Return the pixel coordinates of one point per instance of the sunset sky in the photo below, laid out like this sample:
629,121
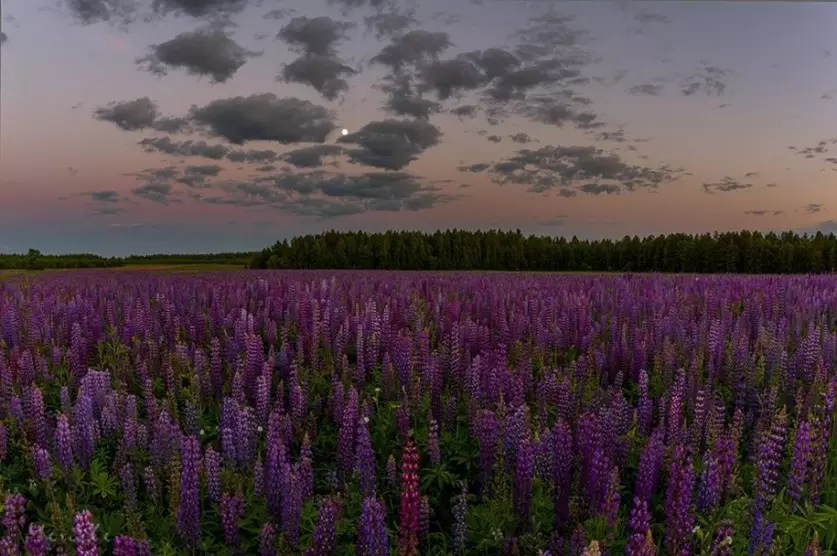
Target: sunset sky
142,126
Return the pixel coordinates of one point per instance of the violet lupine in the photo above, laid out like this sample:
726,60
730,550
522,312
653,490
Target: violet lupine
769,459
433,450
231,511
258,478
679,516
291,505
14,514
722,541
323,540
42,463
799,462
371,529
84,534
524,474
36,541
267,540
365,459
488,433
188,507
639,523
408,519
63,443
460,514
709,488
129,546
346,436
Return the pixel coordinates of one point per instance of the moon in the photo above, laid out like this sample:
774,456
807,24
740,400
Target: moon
345,131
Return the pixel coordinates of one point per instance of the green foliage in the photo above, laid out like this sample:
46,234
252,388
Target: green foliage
729,252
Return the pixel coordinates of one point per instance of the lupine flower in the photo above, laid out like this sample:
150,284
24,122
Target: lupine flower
36,541
679,516
42,462
433,442
84,534
408,520
129,546
231,510
365,459
722,541
323,540
371,529
267,540
799,461
14,518
460,513
523,481
188,518
640,524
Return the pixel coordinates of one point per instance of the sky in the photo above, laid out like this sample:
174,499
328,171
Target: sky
154,126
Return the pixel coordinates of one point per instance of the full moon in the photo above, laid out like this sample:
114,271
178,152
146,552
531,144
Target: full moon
345,131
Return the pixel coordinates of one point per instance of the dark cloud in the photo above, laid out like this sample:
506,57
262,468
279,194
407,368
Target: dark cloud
404,101
88,12
196,176
170,124
617,136
3,37
709,80
465,111
265,117
107,196
413,48
751,175
324,73
820,148
479,167
199,8
252,156
156,174
495,138
448,77
565,192
155,192
184,148
599,188
266,168
325,195
205,52
770,185
391,144
279,13
828,95
650,89
813,208
315,36
550,167
521,138
389,24
130,115
757,212
312,157
725,185
556,111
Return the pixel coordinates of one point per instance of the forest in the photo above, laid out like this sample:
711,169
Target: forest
746,252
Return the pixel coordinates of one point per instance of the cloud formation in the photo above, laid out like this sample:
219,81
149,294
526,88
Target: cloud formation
391,144
205,52
131,115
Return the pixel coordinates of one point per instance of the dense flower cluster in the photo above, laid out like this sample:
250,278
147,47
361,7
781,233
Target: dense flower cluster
292,413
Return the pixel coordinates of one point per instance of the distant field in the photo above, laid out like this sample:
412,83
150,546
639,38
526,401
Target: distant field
197,267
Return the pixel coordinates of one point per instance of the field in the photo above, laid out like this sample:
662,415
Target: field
374,413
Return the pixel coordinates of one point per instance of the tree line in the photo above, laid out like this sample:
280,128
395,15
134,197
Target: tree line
35,260
745,252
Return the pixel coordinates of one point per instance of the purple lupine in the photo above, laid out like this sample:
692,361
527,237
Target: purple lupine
14,514
433,442
84,431
258,478
488,433
42,463
36,541
639,523
63,443
292,500
231,511
323,540
84,534
365,459
709,487
799,462
212,468
424,521
650,461
129,489
679,516
371,529
267,540
769,459
129,546
3,442
346,436
460,514
524,474
722,541
188,507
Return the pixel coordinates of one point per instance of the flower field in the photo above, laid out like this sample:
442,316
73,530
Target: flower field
320,413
